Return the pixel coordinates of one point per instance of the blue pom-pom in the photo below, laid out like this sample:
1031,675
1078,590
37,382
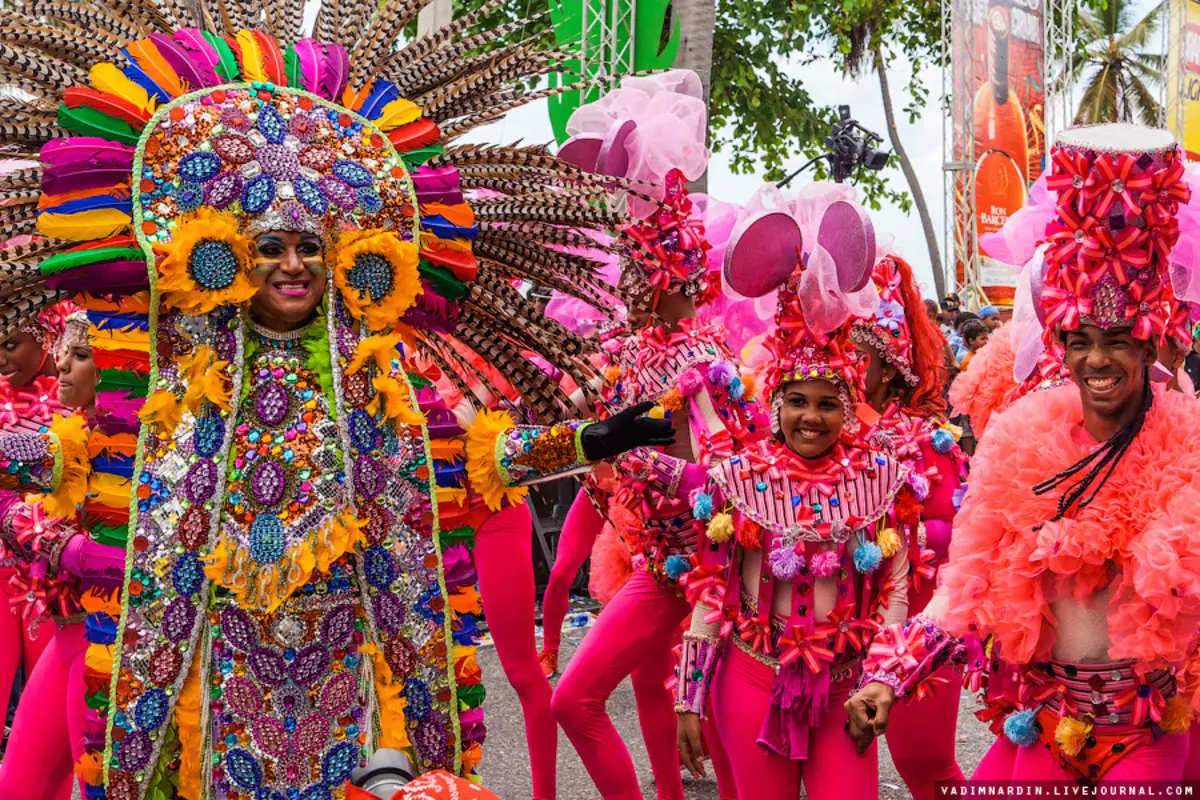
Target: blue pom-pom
1019,728
867,557
942,440
702,506
676,566
737,389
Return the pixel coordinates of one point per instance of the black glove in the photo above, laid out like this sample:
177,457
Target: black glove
624,431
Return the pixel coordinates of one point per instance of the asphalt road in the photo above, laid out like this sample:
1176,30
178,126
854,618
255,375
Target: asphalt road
505,764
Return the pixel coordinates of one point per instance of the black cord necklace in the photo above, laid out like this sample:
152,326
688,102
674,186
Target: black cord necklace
1103,460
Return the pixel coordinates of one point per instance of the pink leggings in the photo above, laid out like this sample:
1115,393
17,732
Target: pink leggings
833,769
504,560
1160,761
920,737
580,529
1191,768
632,638
47,735
17,646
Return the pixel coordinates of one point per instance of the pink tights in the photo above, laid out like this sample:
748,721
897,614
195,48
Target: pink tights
504,560
17,646
632,638
47,735
833,769
1161,761
920,737
580,529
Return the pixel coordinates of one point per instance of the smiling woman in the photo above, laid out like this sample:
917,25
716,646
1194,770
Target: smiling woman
811,417
289,276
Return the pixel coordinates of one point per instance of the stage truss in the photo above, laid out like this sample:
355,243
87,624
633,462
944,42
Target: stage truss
606,46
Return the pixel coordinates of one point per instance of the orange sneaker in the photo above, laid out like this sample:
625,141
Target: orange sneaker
549,659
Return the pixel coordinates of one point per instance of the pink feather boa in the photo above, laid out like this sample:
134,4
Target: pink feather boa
1002,575
982,389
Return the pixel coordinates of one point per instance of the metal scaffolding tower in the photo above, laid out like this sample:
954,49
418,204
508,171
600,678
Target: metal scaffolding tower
606,45
1060,62
958,146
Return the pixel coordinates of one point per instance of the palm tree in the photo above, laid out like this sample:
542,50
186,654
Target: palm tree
865,49
1120,77
696,20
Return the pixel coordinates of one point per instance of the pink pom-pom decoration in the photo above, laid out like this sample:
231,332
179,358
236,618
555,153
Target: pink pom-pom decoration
825,563
690,383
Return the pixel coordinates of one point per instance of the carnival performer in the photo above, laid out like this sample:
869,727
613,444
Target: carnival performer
801,558
52,721
296,515
1071,556
905,375
683,366
28,401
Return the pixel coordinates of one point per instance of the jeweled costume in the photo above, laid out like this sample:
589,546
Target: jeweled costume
800,560
297,590
1082,597
687,371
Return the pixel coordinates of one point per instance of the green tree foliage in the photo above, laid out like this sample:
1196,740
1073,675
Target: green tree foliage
761,113
1119,78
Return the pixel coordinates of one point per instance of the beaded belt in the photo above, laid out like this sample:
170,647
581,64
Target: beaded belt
841,669
1108,694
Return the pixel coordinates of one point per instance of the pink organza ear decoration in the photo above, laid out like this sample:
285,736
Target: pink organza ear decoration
646,127
825,304
1025,330
1185,255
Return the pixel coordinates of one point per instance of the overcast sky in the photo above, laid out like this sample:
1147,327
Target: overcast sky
827,86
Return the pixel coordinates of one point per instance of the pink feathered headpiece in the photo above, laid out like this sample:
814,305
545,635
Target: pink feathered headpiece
888,328
669,246
1109,238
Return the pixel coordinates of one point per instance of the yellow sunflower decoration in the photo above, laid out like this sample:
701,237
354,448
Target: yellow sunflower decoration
206,264
377,275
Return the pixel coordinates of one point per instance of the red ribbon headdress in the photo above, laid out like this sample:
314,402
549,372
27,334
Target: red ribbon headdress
1108,248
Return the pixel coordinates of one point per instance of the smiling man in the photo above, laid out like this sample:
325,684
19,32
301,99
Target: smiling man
1073,557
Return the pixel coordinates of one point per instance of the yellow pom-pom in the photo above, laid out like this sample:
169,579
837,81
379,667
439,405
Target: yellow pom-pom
889,542
672,400
658,412
720,528
1178,716
1072,734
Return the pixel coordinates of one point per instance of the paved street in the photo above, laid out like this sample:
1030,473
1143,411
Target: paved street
506,770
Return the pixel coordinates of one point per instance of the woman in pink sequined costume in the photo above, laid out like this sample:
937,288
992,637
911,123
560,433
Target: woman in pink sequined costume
684,367
802,557
28,402
48,734
904,380
1072,558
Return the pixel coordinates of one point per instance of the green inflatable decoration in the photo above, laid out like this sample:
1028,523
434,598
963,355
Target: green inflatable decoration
649,52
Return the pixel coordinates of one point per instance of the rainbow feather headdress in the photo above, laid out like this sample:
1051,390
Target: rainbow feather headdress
168,133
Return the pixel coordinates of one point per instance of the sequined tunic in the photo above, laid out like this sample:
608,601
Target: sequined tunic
288,688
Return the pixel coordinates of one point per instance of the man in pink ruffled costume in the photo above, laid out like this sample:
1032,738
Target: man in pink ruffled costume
1072,592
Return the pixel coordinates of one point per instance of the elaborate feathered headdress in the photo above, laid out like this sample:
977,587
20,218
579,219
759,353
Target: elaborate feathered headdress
169,132
172,130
